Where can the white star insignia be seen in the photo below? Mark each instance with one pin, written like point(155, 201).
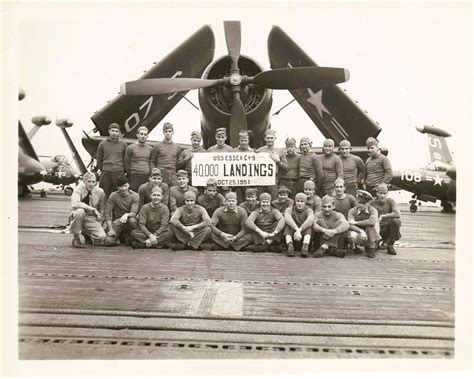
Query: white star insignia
point(317, 100)
point(438, 180)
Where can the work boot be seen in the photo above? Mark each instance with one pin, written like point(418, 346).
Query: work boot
point(357, 250)
point(207, 246)
point(138, 245)
point(304, 250)
point(290, 250)
point(275, 249)
point(391, 250)
point(349, 250)
point(321, 252)
point(370, 252)
point(77, 243)
point(259, 248)
point(87, 239)
point(341, 253)
point(176, 246)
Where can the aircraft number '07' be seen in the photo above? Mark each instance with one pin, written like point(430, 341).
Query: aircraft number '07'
point(134, 119)
point(411, 176)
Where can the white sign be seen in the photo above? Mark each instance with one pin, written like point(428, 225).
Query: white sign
point(233, 169)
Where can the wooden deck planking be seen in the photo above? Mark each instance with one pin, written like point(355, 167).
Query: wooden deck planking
point(61, 289)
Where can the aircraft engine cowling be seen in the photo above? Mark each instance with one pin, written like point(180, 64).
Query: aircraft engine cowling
point(216, 102)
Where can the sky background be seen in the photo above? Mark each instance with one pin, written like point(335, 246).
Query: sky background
point(410, 64)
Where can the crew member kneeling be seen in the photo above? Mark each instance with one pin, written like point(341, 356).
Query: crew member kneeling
point(190, 224)
point(153, 223)
point(331, 225)
point(88, 206)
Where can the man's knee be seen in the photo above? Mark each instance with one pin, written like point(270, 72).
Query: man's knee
point(352, 236)
point(132, 223)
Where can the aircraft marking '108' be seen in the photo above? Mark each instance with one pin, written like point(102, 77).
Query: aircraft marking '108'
point(235, 92)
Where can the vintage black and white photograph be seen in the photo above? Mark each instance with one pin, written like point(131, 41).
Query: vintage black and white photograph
point(209, 181)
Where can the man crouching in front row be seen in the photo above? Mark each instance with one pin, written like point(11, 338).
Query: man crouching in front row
point(332, 225)
point(190, 224)
point(153, 223)
point(88, 206)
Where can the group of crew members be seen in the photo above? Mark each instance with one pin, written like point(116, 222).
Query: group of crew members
point(319, 205)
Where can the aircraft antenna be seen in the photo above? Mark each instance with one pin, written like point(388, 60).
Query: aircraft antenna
point(189, 101)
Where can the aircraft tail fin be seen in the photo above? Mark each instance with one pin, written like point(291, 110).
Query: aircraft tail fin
point(439, 151)
point(25, 144)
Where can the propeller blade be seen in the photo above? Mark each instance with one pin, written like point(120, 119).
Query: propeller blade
point(238, 120)
point(301, 77)
point(232, 39)
point(160, 86)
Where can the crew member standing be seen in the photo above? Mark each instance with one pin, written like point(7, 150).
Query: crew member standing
point(289, 176)
point(278, 156)
point(332, 167)
point(221, 146)
point(184, 160)
point(137, 160)
point(110, 157)
point(379, 168)
point(165, 155)
point(310, 166)
point(353, 168)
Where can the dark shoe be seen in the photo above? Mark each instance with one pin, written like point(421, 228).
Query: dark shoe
point(391, 250)
point(275, 249)
point(341, 253)
point(349, 250)
point(290, 250)
point(207, 246)
point(138, 245)
point(357, 250)
point(176, 246)
point(87, 240)
point(77, 243)
point(258, 248)
point(304, 250)
point(371, 252)
point(319, 253)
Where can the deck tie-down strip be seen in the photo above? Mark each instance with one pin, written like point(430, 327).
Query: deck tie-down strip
point(258, 282)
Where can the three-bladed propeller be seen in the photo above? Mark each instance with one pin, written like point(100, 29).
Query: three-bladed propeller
point(288, 78)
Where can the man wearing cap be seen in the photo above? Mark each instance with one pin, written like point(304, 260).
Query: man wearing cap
point(312, 200)
point(353, 168)
point(310, 166)
point(244, 141)
point(121, 211)
point(251, 203)
point(331, 226)
point(283, 201)
point(228, 225)
point(266, 225)
point(332, 167)
point(190, 224)
point(299, 222)
point(289, 176)
point(153, 224)
point(210, 200)
point(379, 168)
point(137, 160)
point(184, 160)
point(155, 180)
point(389, 217)
point(88, 206)
point(220, 146)
point(363, 224)
point(278, 156)
point(164, 155)
point(110, 157)
point(177, 192)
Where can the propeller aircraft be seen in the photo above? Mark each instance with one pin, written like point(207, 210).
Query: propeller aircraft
point(235, 92)
point(33, 168)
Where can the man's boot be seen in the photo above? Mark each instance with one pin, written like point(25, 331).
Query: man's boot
point(391, 250)
point(370, 252)
point(305, 250)
point(321, 252)
point(77, 243)
point(290, 249)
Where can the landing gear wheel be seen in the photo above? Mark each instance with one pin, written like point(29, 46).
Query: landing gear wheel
point(448, 207)
point(413, 208)
point(68, 191)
